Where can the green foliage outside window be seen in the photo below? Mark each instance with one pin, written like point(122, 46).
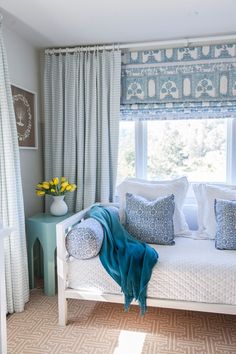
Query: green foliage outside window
point(195, 148)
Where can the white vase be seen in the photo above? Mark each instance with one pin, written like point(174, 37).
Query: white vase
point(58, 206)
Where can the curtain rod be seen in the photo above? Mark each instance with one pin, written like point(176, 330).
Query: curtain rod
point(185, 42)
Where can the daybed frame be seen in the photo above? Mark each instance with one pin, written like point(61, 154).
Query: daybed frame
point(65, 293)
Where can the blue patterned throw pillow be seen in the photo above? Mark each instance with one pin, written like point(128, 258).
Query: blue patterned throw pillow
point(150, 221)
point(225, 212)
point(85, 239)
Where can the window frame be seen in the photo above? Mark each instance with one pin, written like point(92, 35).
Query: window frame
point(141, 151)
point(231, 152)
point(140, 131)
point(140, 136)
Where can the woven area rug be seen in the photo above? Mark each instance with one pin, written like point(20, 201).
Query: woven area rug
point(105, 328)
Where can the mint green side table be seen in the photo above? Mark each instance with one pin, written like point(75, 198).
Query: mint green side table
point(43, 227)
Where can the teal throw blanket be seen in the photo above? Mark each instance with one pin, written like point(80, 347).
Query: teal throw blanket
point(128, 261)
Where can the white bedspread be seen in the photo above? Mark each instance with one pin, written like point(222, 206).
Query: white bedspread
point(192, 270)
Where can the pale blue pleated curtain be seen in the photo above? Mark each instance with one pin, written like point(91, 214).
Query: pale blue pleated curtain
point(11, 197)
point(179, 83)
point(82, 112)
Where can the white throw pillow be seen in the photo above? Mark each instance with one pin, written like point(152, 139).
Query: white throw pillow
point(155, 189)
point(205, 196)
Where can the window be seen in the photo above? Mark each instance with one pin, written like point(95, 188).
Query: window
point(126, 159)
point(196, 148)
point(201, 149)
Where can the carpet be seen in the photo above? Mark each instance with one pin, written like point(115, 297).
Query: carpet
point(104, 328)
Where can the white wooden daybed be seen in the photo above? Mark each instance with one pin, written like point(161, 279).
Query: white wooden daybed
point(192, 275)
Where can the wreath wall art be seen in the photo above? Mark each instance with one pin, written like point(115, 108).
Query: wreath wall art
point(24, 102)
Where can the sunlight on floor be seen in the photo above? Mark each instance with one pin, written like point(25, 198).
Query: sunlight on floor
point(130, 342)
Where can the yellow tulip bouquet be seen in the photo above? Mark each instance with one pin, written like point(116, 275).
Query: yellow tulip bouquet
point(55, 187)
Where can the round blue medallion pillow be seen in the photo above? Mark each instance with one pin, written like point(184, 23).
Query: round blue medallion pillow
point(85, 239)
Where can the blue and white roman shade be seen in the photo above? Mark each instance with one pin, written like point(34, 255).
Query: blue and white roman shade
point(179, 83)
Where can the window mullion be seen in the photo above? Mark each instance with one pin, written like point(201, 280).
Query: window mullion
point(231, 151)
point(141, 149)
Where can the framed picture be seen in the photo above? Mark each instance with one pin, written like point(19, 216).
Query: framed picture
point(24, 102)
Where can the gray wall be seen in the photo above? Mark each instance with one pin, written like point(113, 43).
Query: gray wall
point(23, 63)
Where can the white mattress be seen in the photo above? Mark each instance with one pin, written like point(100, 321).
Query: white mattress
point(192, 270)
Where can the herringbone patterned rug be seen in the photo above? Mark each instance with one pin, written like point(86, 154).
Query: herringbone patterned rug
point(106, 329)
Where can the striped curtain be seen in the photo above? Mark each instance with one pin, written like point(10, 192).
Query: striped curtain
point(82, 108)
point(11, 197)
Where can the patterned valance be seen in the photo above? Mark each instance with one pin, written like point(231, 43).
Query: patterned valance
point(189, 82)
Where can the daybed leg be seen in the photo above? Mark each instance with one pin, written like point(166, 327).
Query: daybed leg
point(62, 310)
point(61, 275)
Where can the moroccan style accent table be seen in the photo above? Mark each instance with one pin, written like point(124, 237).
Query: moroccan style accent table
point(43, 227)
